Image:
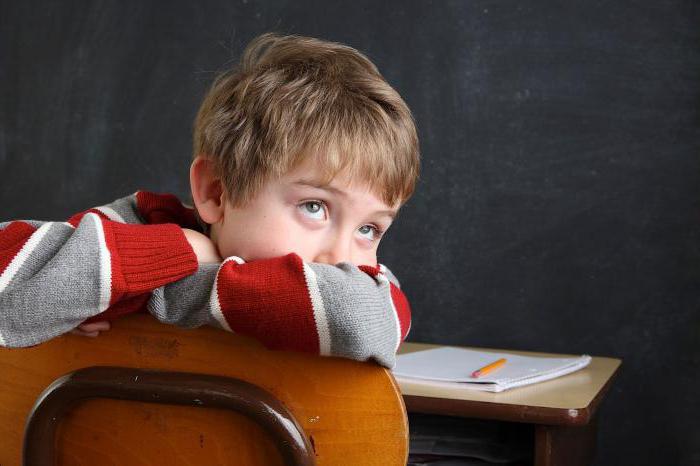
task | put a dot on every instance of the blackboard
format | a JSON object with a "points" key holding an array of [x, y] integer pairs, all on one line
{"points": [[558, 207]]}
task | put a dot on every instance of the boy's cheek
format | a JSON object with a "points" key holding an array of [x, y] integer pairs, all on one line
{"points": [[368, 259]]}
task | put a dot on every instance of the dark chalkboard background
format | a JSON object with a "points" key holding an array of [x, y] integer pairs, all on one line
{"points": [[559, 204]]}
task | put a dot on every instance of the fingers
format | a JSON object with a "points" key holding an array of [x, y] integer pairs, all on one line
{"points": [[84, 334], [95, 326], [92, 329]]}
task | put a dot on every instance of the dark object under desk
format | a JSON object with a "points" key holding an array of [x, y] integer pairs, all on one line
{"points": [[562, 411], [437, 440]]}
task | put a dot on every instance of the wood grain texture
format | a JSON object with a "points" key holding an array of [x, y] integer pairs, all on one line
{"points": [[352, 412]]}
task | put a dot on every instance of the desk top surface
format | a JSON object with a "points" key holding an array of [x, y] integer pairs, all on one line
{"points": [[572, 398]]}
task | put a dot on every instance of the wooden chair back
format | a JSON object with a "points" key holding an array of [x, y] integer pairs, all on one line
{"points": [[348, 413]]}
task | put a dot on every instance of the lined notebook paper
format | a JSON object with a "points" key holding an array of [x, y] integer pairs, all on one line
{"points": [[453, 366]]}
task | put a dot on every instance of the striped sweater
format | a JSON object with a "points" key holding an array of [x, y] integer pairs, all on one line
{"points": [[132, 256]]}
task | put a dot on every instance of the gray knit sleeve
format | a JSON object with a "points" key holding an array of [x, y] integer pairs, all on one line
{"points": [[56, 275], [52, 284], [362, 321], [352, 310]]}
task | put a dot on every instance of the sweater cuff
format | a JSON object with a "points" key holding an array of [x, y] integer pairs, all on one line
{"points": [[145, 257]]}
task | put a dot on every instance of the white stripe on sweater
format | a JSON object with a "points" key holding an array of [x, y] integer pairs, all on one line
{"points": [[324, 333], [23, 254], [383, 278], [214, 302], [110, 213], [105, 264]]}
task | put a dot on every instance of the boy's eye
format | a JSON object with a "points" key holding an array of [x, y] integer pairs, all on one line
{"points": [[312, 209], [376, 233]]}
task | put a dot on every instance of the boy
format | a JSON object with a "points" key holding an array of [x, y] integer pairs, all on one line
{"points": [[303, 154]]}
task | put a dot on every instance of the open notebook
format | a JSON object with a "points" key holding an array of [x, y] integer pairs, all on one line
{"points": [[453, 366]]}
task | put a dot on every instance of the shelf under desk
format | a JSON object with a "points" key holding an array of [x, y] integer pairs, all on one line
{"points": [[562, 409]]}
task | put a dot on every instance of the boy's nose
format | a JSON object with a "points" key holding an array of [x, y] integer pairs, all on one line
{"points": [[332, 257], [336, 252]]}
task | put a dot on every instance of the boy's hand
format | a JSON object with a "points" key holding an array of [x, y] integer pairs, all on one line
{"points": [[204, 248], [91, 330]]}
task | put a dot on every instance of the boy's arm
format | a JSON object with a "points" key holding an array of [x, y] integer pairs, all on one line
{"points": [[287, 304], [55, 275]]}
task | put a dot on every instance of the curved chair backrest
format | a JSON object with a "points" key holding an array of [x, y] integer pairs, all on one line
{"points": [[174, 388], [147, 393]]}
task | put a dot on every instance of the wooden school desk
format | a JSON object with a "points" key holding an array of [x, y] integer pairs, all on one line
{"points": [[562, 410]]}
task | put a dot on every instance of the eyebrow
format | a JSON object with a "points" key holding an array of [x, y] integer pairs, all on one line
{"points": [[389, 213]]}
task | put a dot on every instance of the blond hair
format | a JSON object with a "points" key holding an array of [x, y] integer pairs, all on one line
{"points": [[294, 97]]}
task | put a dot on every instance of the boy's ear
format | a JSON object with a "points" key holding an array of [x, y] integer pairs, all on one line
{"points": [[207, 190]]}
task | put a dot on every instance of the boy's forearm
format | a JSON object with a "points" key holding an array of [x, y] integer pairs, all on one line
{"points": [[55, 275], [287, 304]]}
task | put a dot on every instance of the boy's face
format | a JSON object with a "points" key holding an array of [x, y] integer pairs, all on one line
{"points": [[327, 224]]}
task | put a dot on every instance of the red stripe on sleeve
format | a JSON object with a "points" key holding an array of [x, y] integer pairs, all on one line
{"points": [[77, 218], [403, 310], [369, 270], [158, 208], [145, 257], [12, 238], [269, 301]]}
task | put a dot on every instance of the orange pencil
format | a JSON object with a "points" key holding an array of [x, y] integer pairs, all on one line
{"points": [[486, 369]]}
